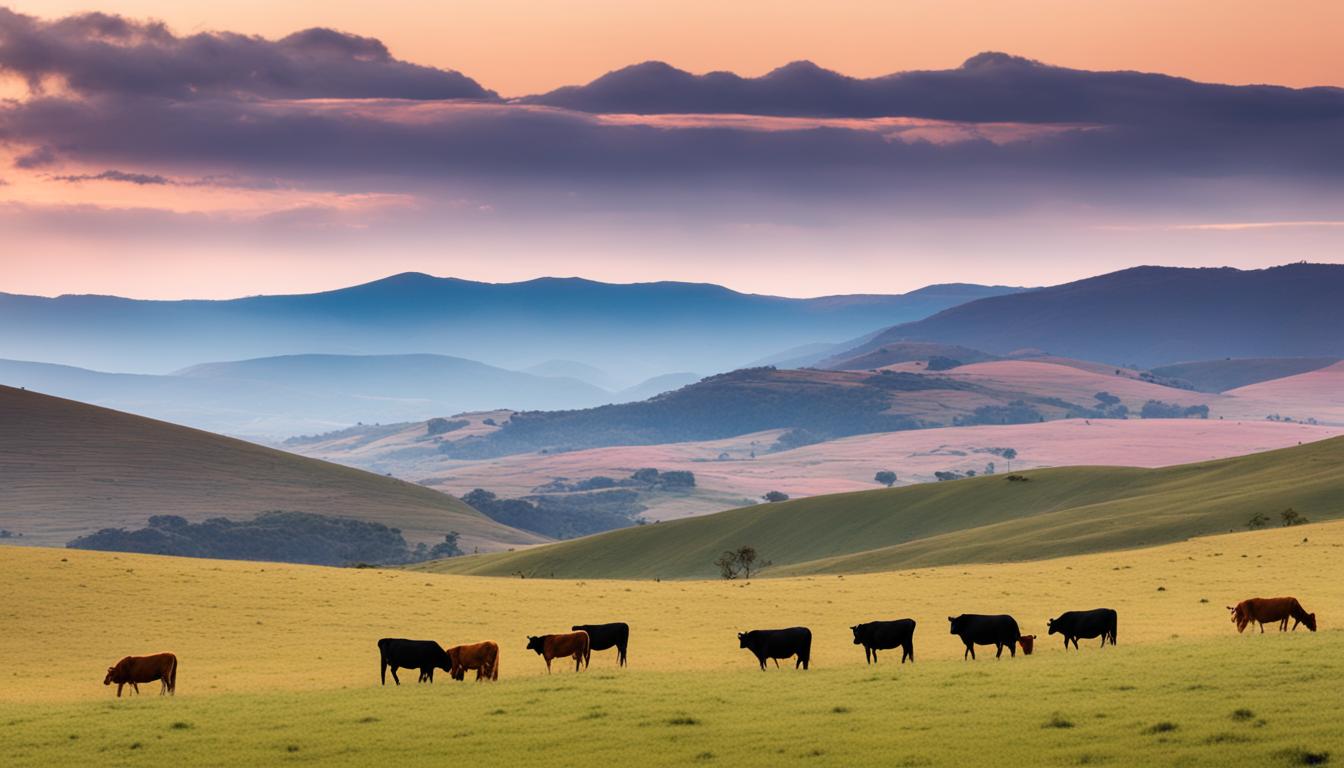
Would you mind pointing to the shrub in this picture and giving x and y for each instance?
(774, 496)
(885, 477)
(1291, 517)
(1258, 520)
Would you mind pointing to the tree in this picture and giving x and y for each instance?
(1258, 520)
(885, 477)
(1291, 517)
(989, 468)
(727, 565)
(1009, 453)
(742, 561)
(774, 496)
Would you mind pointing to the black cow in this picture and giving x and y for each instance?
(998, 631)
(886, 635)
(778, 644)
(423, 655)
(1099, 622)
(604, 636)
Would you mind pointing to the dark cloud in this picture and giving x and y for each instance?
(989, 87)
(97, 53)
(37, 157)
(140, 179)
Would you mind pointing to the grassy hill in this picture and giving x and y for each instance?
(68, 469)
(1062, 511)
(1222, 375)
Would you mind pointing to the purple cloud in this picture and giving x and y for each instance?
(139, 179)
(97, 53)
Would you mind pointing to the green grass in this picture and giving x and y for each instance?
(1062, 511)
(1181, 702)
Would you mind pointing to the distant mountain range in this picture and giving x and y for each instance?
(282, 396)
(1148, 316)
(631, 331)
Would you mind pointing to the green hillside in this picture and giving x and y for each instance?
(1060, 511)
(68, 469)
(1222, 375)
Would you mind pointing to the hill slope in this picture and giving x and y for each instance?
(1150, 316)
(68, 469)
(1230, 373)
(633, 331)
(1057, 512)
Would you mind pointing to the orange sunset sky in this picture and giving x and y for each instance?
(218, 213)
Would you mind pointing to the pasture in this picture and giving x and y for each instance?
(278, 664)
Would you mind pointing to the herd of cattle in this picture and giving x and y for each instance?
(1000, 631)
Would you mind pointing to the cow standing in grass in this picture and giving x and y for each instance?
(885, 635)
(550, 647)
(482, 657)
(778, 644)
(423, 655)
(1267, 610)
(134, 670)
(1099, 622)
(603, 636)
(974, 629)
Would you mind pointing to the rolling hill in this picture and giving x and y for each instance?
(1053, 513)
(1231, 373)
(1150, 316)
(633, 331)
(68, 469)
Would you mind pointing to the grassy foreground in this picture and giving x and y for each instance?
(278, 664)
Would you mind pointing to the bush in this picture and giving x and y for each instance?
(774, 496)
(286, 537)
(885, 477)
(1258, 520)
(1291, 517)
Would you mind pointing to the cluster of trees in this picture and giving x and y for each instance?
(774, 496)
(286, 537)
(1156, 409)
(1288, 518)
(885, 477)
(649, 479)
(740, 562)
(941, 363)
(1016, 412)
(442, 426)
(562, 516)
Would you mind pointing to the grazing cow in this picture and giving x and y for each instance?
(423, 655)
(885, 635)
(778, 644)
(482, 657)
(1266, 610)
(1028, 643)
(604, 636)
(1099, 622)
(574, 644)
(134, 670)
(999, 631)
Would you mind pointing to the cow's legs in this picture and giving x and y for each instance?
(135, 687)
(395, 679)
(970, 650)
(383, 671)
(548, 664)
(119, 685)
(578, 661)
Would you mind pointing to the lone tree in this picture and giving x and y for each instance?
(774, 496)
(739, 562)
(1258, 520)
(1291, 517)
(885, 477)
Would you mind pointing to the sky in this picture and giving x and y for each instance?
(172, 149)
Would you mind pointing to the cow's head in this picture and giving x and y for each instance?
(1310, 621)
(955, 624)
(1050, 627)
(855, 630)
(1027, 642)
(741, 639)
(111, 672)
(535, 643)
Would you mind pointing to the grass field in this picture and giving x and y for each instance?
(278, 664)
(68, 469)
(1057, 512)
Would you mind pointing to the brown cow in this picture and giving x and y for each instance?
(482, 657)
(1266, 610)
(144, 669)
(1028, 642)
(549, 647)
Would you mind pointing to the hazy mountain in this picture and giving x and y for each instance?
(1151, 316)
(573, 369)
(281, 396)
(640, 330)
(655, 386)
